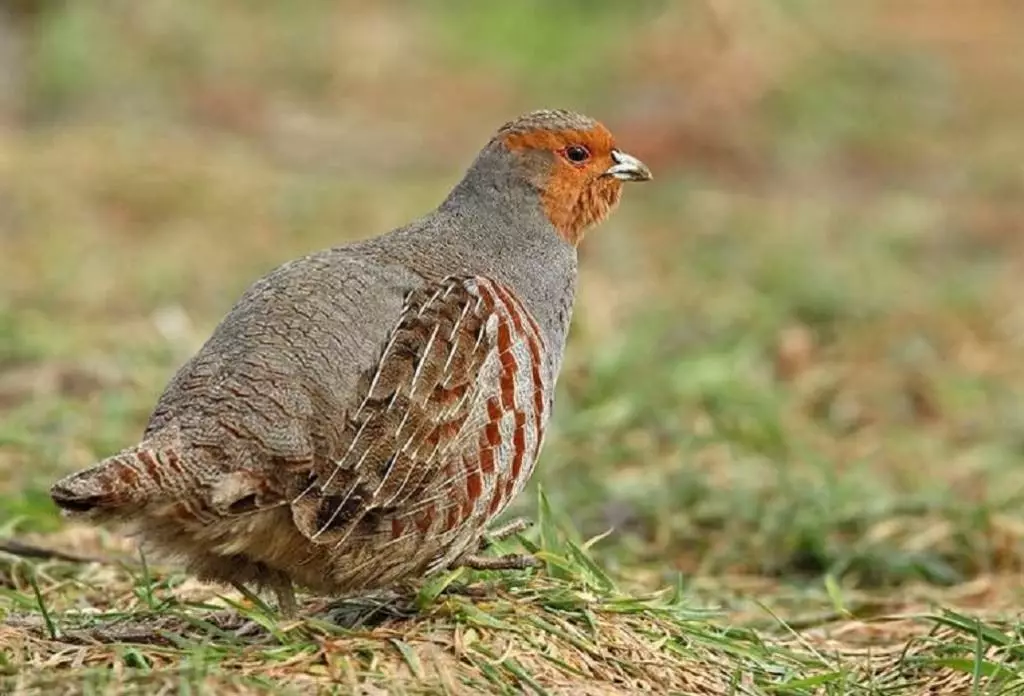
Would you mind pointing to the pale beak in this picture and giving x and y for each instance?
(628, 168)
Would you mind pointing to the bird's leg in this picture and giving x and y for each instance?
(511, 561)
(249, 628)
(503, 532)
(287, 607)
(281, 586)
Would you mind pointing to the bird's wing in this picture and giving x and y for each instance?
(346, 397)
(454, 400)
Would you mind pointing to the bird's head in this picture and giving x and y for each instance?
(570, 161)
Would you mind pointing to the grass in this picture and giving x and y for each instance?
(786, 452)
(120, 628)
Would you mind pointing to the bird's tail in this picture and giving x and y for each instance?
(121, 484)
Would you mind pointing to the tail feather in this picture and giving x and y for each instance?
(119, 484)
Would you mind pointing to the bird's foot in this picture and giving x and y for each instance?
(249, 629)
(287, 607)
(503, 532)
(283, 591)
(511, 561)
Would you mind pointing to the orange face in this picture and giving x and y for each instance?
(584, 182)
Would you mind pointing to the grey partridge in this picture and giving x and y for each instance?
(364, 412)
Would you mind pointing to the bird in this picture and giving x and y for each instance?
(363, 414)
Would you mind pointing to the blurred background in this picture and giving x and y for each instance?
(799, 351)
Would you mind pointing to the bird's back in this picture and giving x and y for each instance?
(273, 382)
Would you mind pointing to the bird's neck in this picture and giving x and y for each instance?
(506, 237)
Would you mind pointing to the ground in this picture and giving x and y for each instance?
(786, 454)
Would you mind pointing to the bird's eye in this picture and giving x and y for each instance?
(577, 154)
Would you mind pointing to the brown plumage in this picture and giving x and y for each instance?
(363, 413)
